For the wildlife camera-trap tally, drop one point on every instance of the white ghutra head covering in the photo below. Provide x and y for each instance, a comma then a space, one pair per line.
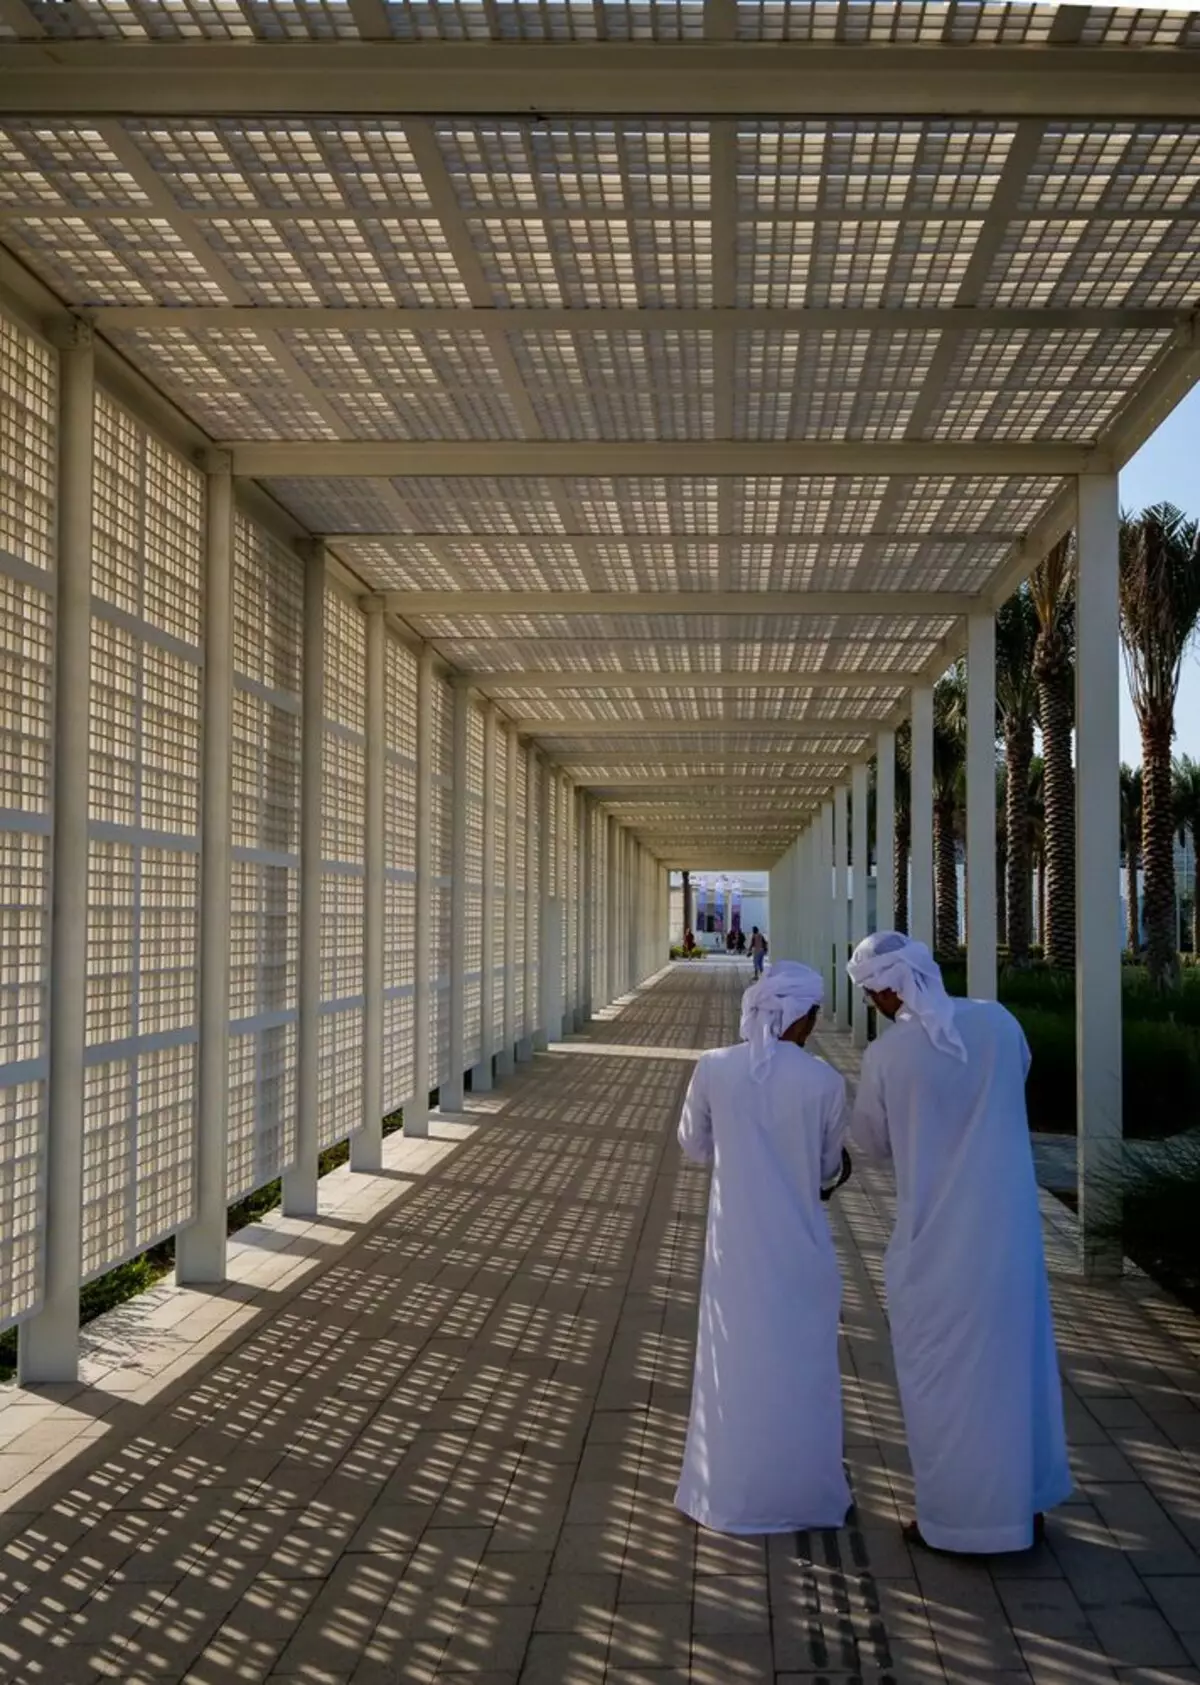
786, 992
889, 960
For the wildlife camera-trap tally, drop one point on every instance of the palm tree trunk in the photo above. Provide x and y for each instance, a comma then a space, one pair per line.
1041, 897
1058, 928
1158, 853
1133, 940
946, 882
1001, 895
903, 837
687, 903
1018, 750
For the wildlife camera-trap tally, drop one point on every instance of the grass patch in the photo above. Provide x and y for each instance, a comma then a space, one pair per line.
127, 1280
1158, 1227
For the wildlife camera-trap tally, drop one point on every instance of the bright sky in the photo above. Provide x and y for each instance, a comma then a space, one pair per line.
1164, 471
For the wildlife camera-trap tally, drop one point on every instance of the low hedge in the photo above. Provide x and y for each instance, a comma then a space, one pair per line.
1157, 1226
1160, 1073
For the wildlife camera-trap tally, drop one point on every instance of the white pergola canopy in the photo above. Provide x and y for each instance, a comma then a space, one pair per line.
685, 374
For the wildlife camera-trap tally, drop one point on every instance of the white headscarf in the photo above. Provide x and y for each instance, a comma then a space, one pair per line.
888, 960
787, 991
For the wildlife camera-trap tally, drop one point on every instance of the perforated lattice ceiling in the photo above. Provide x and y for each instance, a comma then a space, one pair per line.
758, 406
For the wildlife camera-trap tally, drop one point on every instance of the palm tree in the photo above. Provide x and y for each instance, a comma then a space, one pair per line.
1016, 707
949, 764
903, 835
1052, 591
1036, 826
1187, 818
1160, 605
1001, 856
1131, 847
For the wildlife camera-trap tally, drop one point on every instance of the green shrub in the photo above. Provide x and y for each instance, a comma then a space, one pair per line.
1160, 1073
680, 953
1157, 1226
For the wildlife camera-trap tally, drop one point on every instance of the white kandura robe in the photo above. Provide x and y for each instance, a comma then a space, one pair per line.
968, 1299
764, 1442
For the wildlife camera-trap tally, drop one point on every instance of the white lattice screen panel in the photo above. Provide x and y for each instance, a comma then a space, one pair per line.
28, 399
144, 778
571, 922
436, 918
534, 890
472, 957
600, 929
268, 593
400, 875
343, 821
520, 870
494, 938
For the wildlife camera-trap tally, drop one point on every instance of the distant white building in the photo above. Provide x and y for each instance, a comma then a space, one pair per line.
721, 902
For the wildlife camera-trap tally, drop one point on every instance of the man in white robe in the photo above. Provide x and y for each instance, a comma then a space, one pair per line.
942, 1094
764, 1443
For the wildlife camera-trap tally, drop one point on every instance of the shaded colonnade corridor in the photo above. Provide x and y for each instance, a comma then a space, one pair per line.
452, 1453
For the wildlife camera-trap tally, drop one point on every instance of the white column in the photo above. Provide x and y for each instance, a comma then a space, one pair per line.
981, 806
416, 1113
506, 1055
858, 911
583, 917
612, 935
885, 830
481, 1076
366, 1143
452, 1094
546, 914
533, 890
920, 902
1097, 850
300, 1182
200, 1248
825, 903
841, 908
48, 1343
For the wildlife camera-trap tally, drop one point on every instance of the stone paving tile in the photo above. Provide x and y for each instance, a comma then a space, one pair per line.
435, 1434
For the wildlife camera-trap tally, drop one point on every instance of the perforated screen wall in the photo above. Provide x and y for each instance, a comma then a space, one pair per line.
139, 1110
520, 867
533, 893
27, 514
400, 875
494, 938
343, 817
437, 915
268, 591
472, 958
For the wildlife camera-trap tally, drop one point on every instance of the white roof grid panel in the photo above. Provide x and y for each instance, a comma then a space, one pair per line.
414, 565
893, 20
585, 263
433, 385
689, 654
482, 504
844, 168
857, 385
1143, 169
1021, 385
721, 707
619, 385
230, 382
721, 740
1141, 26
111, 260
178, 20
676, 505
962, 503
339, 505
927, 565
770, 505
874, 630
64, 166
1125, 261
289, 164
783, 764
564, 170
345, 260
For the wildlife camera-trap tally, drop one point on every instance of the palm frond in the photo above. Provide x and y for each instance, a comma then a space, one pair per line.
1160, 603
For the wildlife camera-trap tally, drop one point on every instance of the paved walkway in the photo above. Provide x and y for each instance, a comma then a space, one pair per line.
444, 1445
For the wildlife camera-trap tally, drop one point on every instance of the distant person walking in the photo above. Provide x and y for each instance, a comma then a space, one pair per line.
758, 950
